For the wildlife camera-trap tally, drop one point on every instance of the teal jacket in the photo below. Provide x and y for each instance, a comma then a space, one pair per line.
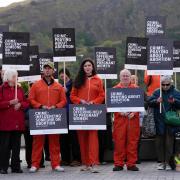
166, 106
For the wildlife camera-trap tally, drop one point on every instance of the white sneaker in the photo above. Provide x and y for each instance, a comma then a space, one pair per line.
59, 169
161, 166
33, 169
94, 169
85, 168
168, 167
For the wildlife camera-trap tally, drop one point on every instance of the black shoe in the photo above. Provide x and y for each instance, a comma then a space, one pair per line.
2, 171
133, 168
17, 171
42, 166
138, 161
118, 168
29, 166
65, 163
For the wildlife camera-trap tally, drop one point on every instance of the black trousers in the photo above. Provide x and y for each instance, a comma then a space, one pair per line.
105, 138
10, 144
70, 149
165, 146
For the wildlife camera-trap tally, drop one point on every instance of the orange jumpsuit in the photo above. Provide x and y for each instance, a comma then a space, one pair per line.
152, 83
126, 136
91, 91
43, 95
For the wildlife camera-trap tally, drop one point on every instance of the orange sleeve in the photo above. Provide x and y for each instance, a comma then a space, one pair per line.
101, 96
32, 97
74, 98
62, 100
146, 78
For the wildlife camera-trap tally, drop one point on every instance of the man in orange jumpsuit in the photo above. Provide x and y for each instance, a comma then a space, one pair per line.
126, 131
47, 94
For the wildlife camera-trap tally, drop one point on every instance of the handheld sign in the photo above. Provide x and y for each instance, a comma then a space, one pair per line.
34, 73
48, 121
105, 61
136, 53
64, 44
16, 50
176, 56
160, 57
87, 117
125, 100
155, 26
3, 28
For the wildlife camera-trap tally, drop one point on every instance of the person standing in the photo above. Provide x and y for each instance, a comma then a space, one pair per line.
12, 122
69, 142
126, 132
47, 94
164, 133
88, 89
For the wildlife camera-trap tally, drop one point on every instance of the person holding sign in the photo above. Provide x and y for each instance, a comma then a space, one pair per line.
69, 142
126, 131
88, 89
47, 94
164, 133
12, 121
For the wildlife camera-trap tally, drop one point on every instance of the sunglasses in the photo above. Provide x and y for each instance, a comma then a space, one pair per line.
166, 84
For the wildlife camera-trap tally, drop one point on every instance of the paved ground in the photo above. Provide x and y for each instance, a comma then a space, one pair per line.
147, 172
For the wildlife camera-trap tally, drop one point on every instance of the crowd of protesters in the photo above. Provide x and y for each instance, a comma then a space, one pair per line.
84, 148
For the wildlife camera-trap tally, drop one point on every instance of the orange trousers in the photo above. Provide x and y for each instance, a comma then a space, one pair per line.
126, 136
54, 149
89, 147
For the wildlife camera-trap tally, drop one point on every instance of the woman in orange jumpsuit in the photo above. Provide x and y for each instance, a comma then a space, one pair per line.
88, 89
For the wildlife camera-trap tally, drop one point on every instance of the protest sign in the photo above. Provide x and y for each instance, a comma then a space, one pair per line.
87, 117
16, 50
125, 100
105, 61
48, 121
64, 44
136, 53
160, 57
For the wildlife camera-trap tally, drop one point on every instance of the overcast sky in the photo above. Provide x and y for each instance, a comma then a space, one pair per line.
4, 3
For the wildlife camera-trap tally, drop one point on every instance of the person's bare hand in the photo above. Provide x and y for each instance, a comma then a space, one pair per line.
13, 101
131, 115
17, 106
84, 102
159, 100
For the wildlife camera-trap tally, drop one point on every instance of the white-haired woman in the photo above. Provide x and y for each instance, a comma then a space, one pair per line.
164, 134
11, 122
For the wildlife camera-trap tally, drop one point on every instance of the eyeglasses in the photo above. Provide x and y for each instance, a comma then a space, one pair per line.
166, 84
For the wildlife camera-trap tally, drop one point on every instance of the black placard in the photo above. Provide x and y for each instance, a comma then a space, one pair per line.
3, 28
34, 73
87, 117
64, 44
16, 50
136, 53
125, 100
48, 121
105, 61
160, 57
176, 56
155, 26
